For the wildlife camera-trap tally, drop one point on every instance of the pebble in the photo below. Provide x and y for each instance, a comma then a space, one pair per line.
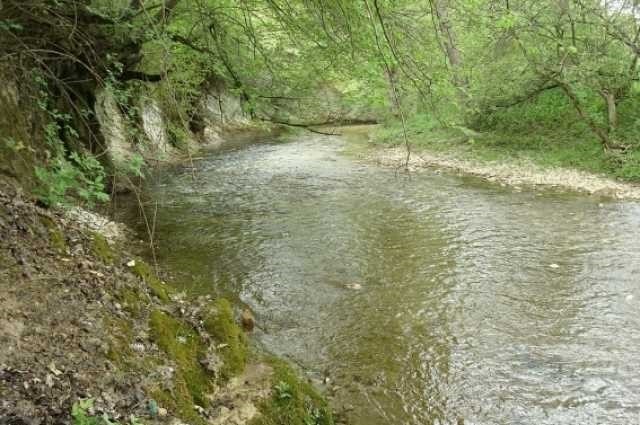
247, 320
138, 346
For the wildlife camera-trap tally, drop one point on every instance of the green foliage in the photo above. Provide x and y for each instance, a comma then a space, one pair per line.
66, 174
135, 166
82, 176
126, 95
10, 26
81, 414
283, 390
178, 135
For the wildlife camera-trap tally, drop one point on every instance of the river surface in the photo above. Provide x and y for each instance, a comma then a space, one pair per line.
432, 299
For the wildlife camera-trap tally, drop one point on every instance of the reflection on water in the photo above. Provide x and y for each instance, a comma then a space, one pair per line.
426, 300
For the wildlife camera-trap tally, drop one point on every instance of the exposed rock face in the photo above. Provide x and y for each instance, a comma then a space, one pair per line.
154, 126
20, 130
114, 129
220, 109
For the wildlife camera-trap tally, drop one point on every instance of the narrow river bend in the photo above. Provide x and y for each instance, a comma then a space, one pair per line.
425, 300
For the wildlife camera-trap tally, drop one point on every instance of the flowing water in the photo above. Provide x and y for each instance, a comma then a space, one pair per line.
425, 300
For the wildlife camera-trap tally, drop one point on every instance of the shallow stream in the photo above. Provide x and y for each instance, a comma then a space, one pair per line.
428, 299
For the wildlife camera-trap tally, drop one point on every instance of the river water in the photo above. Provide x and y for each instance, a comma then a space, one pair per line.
428, 299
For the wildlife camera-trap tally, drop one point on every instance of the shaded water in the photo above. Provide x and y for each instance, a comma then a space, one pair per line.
476, 304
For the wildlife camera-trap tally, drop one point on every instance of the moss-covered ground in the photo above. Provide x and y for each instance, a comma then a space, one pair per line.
221, 325
293, 401
157, 287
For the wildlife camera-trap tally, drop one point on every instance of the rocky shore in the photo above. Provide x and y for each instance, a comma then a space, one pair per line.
514, 174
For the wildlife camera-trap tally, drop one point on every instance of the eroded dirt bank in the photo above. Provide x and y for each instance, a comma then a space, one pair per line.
86, 328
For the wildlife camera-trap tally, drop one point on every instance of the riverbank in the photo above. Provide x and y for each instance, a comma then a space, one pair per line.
92, 334
367, 144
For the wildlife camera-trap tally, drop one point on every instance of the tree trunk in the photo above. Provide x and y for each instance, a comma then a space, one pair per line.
451, 47
602, 135
392, 77
612, 113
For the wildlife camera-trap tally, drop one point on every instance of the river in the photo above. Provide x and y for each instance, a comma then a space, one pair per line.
423, 299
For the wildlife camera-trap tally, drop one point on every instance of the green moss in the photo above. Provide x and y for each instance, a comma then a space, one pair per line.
56, 238
159, 289
293, 401
220, 324
121, 336
178, 400
101, 248
132, 300
185, 347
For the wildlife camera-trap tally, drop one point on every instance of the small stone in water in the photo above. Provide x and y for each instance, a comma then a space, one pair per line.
247, 320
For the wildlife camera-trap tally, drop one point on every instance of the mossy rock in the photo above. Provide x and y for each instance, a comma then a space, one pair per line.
185, 347
56, 237
101, 249
232, 342
293, 401
157, 287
